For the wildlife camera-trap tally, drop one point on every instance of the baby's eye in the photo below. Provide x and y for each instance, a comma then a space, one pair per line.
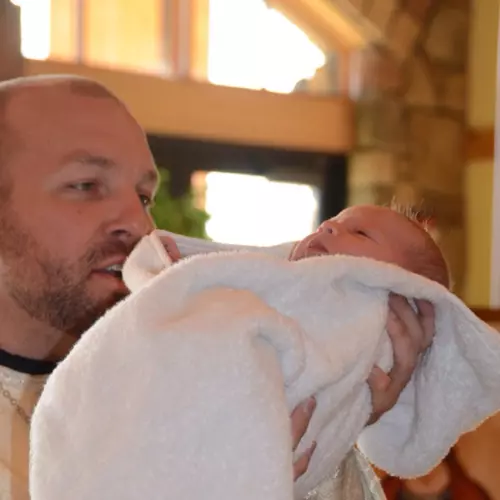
362, 233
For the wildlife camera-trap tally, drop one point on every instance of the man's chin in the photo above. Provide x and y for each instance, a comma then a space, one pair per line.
114, 298
94, 312
107, 288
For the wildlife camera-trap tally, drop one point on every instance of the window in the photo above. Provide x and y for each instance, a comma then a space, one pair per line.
252, 46
123, 34
252, 210
35, 28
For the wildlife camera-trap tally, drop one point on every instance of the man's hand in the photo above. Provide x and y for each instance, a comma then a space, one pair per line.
301, 417
171, 247
411, 334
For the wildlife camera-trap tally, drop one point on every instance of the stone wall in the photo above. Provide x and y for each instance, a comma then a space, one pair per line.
410, 88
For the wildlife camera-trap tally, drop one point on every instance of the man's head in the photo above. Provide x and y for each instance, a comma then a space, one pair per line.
76, 180
379, 233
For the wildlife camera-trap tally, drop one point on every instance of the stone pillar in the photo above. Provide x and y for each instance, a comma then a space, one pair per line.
11, 61
411, 115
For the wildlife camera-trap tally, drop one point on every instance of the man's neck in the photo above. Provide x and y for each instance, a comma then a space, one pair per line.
24, 336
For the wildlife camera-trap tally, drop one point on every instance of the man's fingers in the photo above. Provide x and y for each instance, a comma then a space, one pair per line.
379, 383
378, 380
300, 466
427, 317
406, 334
410, 333
301, 417
171, 248
405, 350
409, 319
300, 420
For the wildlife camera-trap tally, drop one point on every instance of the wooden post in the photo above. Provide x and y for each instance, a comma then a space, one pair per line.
495, 240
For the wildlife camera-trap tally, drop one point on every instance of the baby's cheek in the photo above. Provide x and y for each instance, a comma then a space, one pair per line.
291, 256
298, 251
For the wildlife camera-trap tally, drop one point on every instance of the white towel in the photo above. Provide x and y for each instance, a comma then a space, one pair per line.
189, 246
184, 390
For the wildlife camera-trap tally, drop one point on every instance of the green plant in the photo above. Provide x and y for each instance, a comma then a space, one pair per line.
178, 215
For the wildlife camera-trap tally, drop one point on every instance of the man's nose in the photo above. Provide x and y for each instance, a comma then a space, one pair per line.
131, 223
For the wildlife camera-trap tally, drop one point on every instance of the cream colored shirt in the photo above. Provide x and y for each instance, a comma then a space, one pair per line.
14, 431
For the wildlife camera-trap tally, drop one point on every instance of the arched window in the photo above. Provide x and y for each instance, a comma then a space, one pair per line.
255, 47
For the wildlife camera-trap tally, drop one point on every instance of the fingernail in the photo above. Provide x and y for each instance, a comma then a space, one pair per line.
309, 406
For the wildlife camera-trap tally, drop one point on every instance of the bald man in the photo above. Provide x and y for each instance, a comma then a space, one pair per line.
76, 183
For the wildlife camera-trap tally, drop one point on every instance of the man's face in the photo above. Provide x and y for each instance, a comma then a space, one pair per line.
81, 178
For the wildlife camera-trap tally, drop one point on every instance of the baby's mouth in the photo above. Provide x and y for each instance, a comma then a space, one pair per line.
316, 247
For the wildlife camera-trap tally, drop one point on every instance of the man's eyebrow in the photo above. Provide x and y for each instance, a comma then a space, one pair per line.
84, 158
150, 177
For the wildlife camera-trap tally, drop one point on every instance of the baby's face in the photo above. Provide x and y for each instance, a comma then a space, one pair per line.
364, 231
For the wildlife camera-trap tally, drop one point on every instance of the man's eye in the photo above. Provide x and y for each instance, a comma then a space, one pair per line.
146, 200
84, 186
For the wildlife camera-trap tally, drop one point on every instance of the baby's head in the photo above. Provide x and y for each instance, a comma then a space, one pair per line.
381, 234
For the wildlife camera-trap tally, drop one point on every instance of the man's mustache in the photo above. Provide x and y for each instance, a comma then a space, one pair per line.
108, 249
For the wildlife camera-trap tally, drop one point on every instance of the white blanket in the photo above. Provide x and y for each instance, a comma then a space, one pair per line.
184, 390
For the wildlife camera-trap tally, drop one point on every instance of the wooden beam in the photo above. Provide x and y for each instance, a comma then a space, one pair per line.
480, 144
199, 110
491, 316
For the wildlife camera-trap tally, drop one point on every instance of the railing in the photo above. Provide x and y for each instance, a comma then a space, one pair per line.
490, 316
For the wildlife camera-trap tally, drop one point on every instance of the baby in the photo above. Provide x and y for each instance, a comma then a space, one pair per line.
379, 233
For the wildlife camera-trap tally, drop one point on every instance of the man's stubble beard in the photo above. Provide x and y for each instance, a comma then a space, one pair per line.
49, 290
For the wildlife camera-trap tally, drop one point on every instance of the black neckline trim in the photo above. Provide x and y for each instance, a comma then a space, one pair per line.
26, 365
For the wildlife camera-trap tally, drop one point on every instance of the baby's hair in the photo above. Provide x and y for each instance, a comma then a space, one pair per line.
428, 260
413, 214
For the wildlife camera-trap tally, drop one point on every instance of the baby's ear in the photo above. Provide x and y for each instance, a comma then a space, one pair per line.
148, 259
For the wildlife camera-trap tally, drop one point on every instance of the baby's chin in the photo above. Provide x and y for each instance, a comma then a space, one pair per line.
309, 253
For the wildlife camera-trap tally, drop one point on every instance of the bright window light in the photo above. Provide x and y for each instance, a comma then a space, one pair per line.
252, 210
255, 47
35, 28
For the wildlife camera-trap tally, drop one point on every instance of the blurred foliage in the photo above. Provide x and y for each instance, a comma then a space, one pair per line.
178, 215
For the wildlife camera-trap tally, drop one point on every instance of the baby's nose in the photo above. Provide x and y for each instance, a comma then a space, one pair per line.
330, 227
